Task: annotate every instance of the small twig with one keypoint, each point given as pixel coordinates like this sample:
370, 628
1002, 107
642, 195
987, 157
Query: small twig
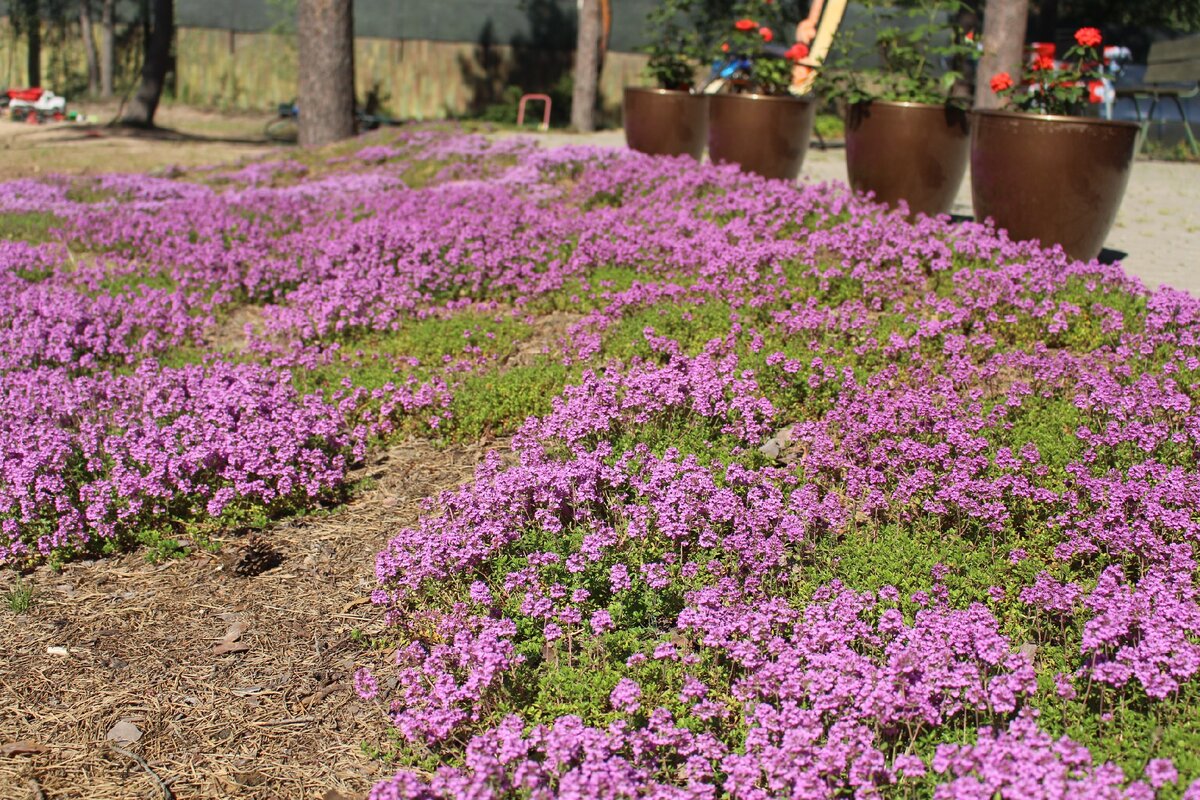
320, 695
279, 722
141, 762
70, 255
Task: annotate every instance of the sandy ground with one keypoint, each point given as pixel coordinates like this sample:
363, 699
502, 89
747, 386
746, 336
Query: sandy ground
1156, 236
187, 138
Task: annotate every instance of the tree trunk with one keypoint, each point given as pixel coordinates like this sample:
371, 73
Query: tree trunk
154, 69
108, 35
587, 67
33, 35
89, 46
966, 20
1003, 47
325, 40
145, 19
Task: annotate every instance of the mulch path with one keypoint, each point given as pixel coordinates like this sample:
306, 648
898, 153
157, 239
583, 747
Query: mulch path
182, 679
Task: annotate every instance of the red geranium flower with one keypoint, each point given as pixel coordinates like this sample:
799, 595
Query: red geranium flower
766, 33
745, 24
1001, 81
725, 47
797, 52
1088, 37
1043, 62
1096, 92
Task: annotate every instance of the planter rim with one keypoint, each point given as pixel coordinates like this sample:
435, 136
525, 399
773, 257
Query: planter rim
909, 104
657, 90
775, 98
995, 112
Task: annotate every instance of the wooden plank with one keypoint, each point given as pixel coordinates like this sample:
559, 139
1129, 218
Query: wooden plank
1173, 72
1186, 49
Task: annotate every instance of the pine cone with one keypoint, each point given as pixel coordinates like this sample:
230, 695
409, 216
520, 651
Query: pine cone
256, 557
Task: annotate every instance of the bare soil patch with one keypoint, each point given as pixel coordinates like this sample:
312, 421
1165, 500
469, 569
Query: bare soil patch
187, 137
231, 686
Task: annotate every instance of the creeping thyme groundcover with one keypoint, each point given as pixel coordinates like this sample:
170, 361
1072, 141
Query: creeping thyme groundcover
802, 499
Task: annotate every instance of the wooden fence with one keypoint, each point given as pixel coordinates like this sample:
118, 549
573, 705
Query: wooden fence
412, 79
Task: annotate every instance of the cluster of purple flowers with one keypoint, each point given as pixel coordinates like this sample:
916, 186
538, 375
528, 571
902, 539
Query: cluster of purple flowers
663, 595
923, 376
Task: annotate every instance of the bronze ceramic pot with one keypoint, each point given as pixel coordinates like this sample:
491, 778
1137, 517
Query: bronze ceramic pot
663, 122
1056, 179
907, 151
764, 134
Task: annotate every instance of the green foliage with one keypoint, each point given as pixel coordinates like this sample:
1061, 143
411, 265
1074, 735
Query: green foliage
503, 111
911, 42
691, 325
1160, 151
86, 192
1052, 89
19, 598
381, 358
675, 47
745, 44
34, 227
829, 126
495, 403
134, 283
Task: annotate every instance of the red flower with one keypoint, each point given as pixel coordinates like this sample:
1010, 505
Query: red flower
797, 52
766, 33
1096, 92
1088, 37
725, 47
745, 24
1042, 62
970, 36
1001, 81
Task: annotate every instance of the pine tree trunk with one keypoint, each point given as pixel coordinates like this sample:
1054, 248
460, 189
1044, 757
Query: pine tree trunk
325, 39
587, 67
1003, 47
108, 56
154, 69
33, 35
89, 46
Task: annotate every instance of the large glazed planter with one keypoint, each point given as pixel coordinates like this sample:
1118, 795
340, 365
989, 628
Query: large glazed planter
764, 134
664, 122
1056, 179
907, 151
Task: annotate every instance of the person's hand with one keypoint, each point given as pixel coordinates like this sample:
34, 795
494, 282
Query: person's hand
806, 31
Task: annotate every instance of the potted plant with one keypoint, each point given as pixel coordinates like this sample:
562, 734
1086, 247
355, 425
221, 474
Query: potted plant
756, 123
668, 118
907, 135
1041, 170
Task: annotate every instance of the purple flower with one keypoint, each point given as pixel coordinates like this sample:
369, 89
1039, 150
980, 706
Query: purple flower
365, 684
626, 696
601, 621
1160, 772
